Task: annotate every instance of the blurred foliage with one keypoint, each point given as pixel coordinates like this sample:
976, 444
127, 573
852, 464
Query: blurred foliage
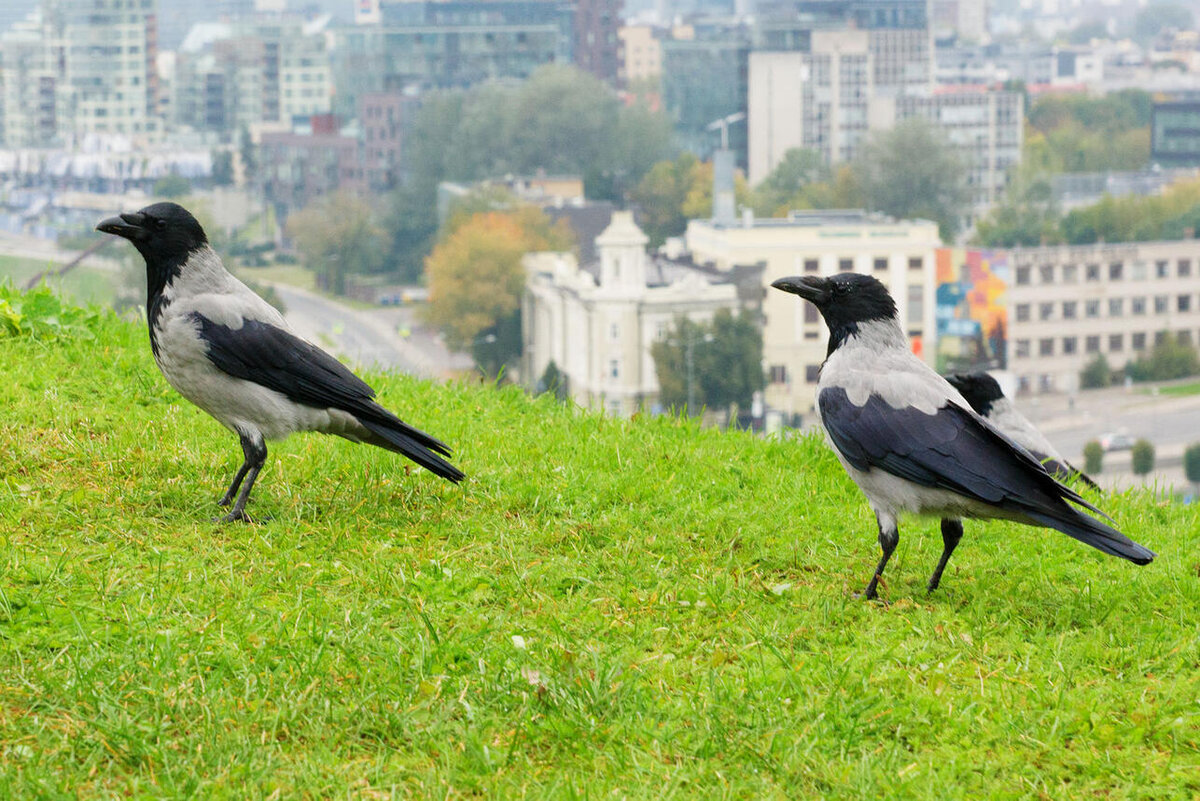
172, 186
1096, 374
1082, 133
1157, 17
1142, 457
337, 236
1170, 358
476, 279
1191, 463
718, 363
41, 314
1093, 457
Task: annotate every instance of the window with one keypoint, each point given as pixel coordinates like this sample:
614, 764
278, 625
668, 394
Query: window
1160, 337
1116, 271
880, 265
916, 303
915, 263
1046, 274
614, 368
1092, 344
1022, 348
1160, 269
812, 373
845, 265
778, 373
1137, 305
1185, 302
1185, 268
1070, 345
1070, 273
1161, 303
811, 266
1022, 276
1069, 309
1093, 272
1046, 347
1116, 307
1091, 308
614, 330
1116, 343
1045, 311
1138, 342
1022, 312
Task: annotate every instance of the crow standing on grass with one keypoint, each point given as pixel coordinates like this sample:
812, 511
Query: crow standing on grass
983, 392
230, 352
911, 442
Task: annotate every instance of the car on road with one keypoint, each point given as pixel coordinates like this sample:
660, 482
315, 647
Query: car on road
1116, 441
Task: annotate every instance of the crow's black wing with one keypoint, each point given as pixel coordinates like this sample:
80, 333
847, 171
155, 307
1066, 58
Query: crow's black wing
953, 449
277, 359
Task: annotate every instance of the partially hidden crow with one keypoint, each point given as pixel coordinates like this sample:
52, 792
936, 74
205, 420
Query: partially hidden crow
983, 392
230, 352
911, 442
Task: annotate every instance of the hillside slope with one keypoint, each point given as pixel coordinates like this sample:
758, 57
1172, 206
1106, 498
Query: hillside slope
604, 608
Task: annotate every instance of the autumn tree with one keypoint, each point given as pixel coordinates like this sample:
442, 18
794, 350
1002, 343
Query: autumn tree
337, 236
476, 279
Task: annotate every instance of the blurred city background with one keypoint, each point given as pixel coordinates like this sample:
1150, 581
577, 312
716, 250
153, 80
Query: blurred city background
590, 197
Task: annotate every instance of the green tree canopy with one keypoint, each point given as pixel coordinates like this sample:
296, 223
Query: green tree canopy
337, 236
1167, 360
913, 172
717, 364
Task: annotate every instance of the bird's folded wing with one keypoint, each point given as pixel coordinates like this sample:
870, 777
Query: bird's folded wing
279, 360
951, 449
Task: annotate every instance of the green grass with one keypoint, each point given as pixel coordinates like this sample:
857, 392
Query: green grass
1192, 388
82, 284
604, 609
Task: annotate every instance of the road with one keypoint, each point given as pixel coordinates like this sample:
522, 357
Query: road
370, 337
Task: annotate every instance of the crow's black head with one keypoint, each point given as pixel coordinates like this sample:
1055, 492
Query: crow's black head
164, 233
845, 299
980, 390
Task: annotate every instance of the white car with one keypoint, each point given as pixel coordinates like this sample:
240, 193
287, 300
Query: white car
1116, 442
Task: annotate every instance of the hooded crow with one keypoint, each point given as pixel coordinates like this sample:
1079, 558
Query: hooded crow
911, 442
983, 392
230, 352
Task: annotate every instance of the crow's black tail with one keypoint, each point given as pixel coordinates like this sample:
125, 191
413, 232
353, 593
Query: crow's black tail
397, 436
1099, 535
1066, 470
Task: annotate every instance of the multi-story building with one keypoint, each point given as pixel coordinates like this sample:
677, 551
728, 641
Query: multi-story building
384, 119
596, 46
1175, 131
704, 79
596, 322
640, 54
986, 127
900, 254
1069, 304
822, 100
33, 97
456, 43
236, 75
1035, 66
111, 49
295, 169
960, 19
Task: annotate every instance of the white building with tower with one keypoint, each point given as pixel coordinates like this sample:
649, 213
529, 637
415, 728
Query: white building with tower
597, 321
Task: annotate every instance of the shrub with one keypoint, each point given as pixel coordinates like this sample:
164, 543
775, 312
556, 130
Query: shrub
1191, 463
1096, 374
1142, 457
1093, 457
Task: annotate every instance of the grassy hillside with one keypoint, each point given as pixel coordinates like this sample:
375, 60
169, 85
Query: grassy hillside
604, 608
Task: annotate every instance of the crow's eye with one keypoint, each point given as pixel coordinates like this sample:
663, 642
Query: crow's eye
160, 225
840, 289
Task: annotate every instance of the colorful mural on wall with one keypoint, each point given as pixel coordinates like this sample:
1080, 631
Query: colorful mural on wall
972, 309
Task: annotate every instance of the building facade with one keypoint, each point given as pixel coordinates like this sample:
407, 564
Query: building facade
900, 254
1070, 304
640, 54
596, 48
597, 322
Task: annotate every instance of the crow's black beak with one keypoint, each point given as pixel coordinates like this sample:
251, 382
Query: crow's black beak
809, 287
130, 226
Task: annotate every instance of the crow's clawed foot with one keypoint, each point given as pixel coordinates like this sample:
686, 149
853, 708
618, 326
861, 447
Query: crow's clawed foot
240, 517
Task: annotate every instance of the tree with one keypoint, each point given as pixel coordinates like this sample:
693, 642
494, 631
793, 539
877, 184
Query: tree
337, 236
660, 196
1027, 216
715, 364
172, 186
1093, 457
911, 172
1096, 374
476, 279
1157, 17
555, 381
784, 188
247, 154
1169, 358
222, 169
1191, 464
1142, 457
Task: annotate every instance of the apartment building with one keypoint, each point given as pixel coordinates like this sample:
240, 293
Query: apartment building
1069, 304
899, 253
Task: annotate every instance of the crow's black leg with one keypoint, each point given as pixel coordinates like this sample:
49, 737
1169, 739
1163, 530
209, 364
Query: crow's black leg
227, 498
952, 532
889, 538
256, 455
